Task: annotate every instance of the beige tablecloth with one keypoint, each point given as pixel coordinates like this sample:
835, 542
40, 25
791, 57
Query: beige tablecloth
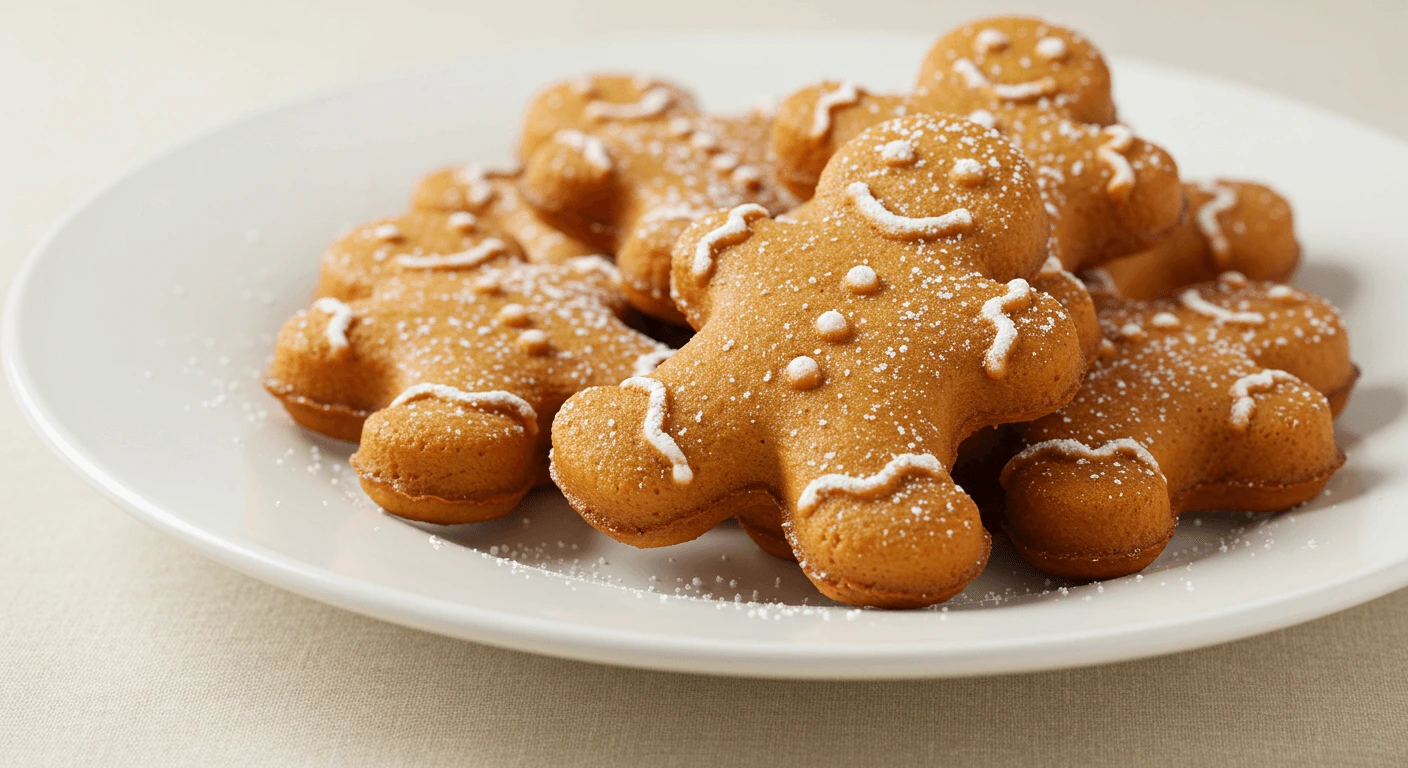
118, 645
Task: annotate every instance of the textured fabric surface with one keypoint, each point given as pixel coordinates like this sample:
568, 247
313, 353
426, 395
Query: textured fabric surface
120, 646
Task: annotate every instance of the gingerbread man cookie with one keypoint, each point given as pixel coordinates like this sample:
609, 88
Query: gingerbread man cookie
451, 379
628, 163
1220, 398
1108, 192
492, 195
1236, 226
839, 362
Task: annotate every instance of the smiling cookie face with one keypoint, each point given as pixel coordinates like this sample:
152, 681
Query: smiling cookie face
582, 102
840, 359
997, 63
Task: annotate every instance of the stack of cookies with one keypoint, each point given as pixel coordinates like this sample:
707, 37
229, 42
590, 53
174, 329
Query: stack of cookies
917, 318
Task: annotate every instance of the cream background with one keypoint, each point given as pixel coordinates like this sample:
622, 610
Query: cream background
118, 645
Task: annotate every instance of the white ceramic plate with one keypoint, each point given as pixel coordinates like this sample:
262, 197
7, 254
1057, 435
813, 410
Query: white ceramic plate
136, 332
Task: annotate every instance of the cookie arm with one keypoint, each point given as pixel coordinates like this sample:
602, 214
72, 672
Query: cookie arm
327, 381
814, 122
648, 463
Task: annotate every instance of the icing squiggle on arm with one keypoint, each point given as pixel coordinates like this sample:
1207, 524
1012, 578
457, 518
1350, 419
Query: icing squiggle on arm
954, 222
1195, 301
655, 433
870, 486
1223, 199
1017, 297
1075, 449
1111, 153
1243, 388
733, 231
652, 103
845, 95
475, 256
493, 399
340, 318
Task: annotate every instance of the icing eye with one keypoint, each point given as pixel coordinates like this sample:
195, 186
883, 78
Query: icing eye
897, 153
990, 40
968, 172
1051, 48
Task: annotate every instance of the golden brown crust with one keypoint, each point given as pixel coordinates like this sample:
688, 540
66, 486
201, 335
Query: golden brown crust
1218, 399
842, 355
1109, 192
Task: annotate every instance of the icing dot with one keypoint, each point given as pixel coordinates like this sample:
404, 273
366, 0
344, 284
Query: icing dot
748, 176
1232, 279
968, 172
1132, 331
463, 221
1107, 348
983, 117
725, 162
1282, 292
989, 40
485, 284
897, 153
1051, 48
1165, 320
832, 326
534, 342
862, 280
387, 232
514, 316
702, 140
680, 127
803, 373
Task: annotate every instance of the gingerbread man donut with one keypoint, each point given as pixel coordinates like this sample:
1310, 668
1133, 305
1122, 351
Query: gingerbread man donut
1108, 192
628, 163
1220, 398
840, 361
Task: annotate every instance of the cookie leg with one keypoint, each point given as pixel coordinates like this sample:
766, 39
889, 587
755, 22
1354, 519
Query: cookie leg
440, 462
916, 545
1065, 520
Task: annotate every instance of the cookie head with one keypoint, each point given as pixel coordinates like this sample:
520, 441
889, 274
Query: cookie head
582, 102
944, 184
1012, 61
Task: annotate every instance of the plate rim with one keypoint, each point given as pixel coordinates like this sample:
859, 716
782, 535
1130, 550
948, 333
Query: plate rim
639, 648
